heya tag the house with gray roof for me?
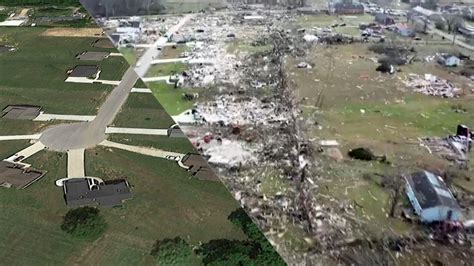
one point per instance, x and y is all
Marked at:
(431, 198)
(88, 191)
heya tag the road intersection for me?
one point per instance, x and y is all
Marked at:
(74, 138)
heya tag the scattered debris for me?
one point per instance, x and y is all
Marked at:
(432, 85)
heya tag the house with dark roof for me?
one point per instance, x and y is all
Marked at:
(384, 19)
(89, 191)
(431, 198)
(198, 167)
(84, 71)
(22, 112)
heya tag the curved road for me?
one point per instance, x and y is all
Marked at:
(89, 134)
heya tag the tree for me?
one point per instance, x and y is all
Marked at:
(440, 25)
(85, 223)
(229, 252)
(453, 22)
(174, 251)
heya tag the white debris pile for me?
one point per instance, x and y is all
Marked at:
(310, 38)
(432, 85)
(229, 153)
(228, 111)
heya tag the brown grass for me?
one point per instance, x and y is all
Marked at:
(73, 32)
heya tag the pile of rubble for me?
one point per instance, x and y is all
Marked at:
(454, 148)
(432, 85)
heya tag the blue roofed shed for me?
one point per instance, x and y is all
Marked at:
(431, 198)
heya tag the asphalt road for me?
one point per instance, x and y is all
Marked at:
(89, 134)
(450, 37)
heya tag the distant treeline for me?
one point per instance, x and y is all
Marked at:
(108, 8)
(39, 2)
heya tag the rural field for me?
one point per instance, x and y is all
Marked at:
(345, 99)
(35, 72)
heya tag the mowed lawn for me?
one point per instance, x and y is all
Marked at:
(166, 143)
(167, 202)
(171, 98)
(30, 231)
(8, 148)
(142, 110)
(35, 73)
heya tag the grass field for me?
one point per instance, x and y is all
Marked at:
(166, 69)
(167, 203)
(364, 108)
(11, 147)
(170, 97)
(181, 145)
(33, 77)
(129, 55)
(170, 52)
(142, 110)
(240, 46)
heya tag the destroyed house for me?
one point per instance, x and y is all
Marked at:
(88, 191)
(431, 198)
(448, 60)
(405, 30)
(384, 19)
(348, 8)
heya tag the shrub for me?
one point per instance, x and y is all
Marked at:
(84, 223)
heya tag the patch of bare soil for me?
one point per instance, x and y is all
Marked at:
(73, 32)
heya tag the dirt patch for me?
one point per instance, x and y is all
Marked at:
(73, 32)
(24, 12)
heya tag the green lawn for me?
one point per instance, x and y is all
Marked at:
(129, 55)
(166, 69)
(238, 46)
(167, 202)
(142, 110)
(8, 148)
(166, 143)
(35, 73)
(171, 98)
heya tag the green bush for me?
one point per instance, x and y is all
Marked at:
(174, 251)
(84, 223)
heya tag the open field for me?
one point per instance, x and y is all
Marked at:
(129, 55)
(11, 147)
(142, 110)
(166, 69)
(33, 77)
(170, 97)
(363, 108)
(73, 32)
(31, 217)
(181, 145)
(169, 52)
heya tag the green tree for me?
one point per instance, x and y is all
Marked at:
(84, 223)
(174, 251)
(256, 250)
